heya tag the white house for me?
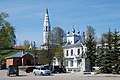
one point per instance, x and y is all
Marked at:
(74, 52)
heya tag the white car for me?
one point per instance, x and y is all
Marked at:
(40, 70)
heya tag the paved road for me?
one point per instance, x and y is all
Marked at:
(63, 76)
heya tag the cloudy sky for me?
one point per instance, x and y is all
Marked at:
(27, 16)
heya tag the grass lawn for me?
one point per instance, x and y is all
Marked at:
(6, 53)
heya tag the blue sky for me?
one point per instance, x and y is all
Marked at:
(27, 16)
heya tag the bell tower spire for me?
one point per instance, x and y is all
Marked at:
(47, 27)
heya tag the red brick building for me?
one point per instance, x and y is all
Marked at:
(20, 59)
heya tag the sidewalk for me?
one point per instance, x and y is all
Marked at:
(108, 75)
(99, 75)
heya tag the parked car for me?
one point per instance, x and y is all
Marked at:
(29, 69)
(12, 70)
(62, 70)
(2, 66)
(40, 70)
(56, 69)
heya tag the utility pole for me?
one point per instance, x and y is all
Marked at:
(34, 50)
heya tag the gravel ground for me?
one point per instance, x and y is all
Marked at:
(62, 76)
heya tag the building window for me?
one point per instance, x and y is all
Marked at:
(78, 51)
(78, 62)
(71, 63)
(71, 52)
(67, 53)
(66, 63)
(46, 28)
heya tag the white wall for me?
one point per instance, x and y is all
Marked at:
(75, 56)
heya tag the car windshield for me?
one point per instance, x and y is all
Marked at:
(43, 69)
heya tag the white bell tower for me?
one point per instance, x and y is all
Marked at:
(46, 29)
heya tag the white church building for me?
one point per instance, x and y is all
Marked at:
(74, 49)
(74, 52)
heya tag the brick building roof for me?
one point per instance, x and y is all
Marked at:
(18, 54)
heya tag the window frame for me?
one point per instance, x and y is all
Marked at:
(71, 52)
(71, 63)
(67, 53)
(78, 52)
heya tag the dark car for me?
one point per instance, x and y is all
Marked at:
(12, 70)
(56, 69)
(29, 69)
(2, 66)
(62, 70)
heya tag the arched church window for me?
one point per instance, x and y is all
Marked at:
(46, 28)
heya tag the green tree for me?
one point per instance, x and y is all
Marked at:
(116, 52)
(91, 46)
(26, 44)
(11, 33)
(44, 57)
(109, 52)
(108, 56)
(7, 32)
(3, 15)
(56, 42)
(57, 36)
(59, 54)
(8, 37)
(100, 52)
